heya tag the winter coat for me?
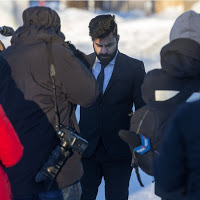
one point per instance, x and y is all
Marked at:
(11, 152)
(180, 62)
(30, 101)
(177, 172)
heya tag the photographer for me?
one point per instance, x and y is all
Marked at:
(32, 106)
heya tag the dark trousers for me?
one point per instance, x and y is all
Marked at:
(116, 174)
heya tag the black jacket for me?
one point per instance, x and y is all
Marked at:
(180, 60)
(109, 114)
(29, 102)
(177, 171)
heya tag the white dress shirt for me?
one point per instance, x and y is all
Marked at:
(107, 71)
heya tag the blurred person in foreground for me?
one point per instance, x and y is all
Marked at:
(120, 78)
(31, 103)
(11, 149)
(11, 152)
(177, 167)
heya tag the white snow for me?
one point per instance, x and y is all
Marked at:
(141, 37)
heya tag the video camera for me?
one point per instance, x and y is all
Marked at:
(69, 140)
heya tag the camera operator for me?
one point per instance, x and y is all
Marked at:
(34, 46)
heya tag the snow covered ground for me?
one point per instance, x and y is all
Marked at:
(141, 37)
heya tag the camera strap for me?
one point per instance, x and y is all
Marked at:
(52, 75)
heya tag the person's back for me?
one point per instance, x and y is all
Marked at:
(177, 168)
(30, 104)
(177, 172)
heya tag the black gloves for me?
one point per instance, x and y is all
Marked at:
(130, 137)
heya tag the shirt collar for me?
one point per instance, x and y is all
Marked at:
(112, 62)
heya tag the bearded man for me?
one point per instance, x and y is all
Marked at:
(120, 78)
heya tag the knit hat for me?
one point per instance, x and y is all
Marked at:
(186, 25)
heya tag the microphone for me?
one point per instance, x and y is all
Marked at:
(6, 31)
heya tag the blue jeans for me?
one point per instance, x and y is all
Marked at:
(72, 192)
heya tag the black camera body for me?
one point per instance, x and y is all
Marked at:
(69, 141)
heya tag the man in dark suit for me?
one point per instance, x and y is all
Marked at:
(120, 78)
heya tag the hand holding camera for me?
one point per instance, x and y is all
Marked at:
(69, 141)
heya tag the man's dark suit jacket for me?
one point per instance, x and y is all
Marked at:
(110, 113)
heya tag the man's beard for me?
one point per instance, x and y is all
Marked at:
(106, 58)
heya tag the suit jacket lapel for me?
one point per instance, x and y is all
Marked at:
(115, 72)
(92, 57)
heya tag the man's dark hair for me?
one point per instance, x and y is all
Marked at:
(102, 25)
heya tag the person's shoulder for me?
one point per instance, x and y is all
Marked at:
(60, 46)
(129, 59)
(63, 50)
(132, 65)
(188, 109)
(92, 55)
(195, 105)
